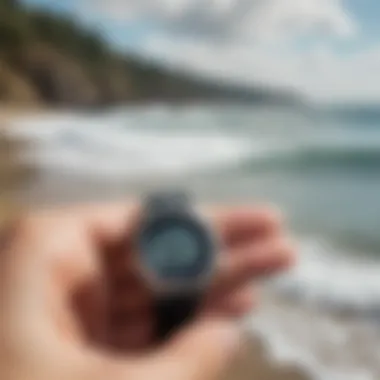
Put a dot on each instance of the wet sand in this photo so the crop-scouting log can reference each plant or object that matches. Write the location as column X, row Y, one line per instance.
column 253, row 364
column 11, row 112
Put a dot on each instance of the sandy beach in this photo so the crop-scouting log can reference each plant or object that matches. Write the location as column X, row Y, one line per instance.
column 303, row 321
column 252, row 363
column 9, row 112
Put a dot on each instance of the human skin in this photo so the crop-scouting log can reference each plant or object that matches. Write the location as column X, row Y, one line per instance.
column 73, row 306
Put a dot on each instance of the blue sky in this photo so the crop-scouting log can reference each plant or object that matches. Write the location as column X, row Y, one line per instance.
column 328, row 48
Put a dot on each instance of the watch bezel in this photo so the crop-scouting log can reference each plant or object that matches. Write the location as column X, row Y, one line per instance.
column 162, row 286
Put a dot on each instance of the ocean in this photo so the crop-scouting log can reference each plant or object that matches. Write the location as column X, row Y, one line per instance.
column 321, row 168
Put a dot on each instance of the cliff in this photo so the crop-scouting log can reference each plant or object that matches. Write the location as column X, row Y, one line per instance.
column 50, row 58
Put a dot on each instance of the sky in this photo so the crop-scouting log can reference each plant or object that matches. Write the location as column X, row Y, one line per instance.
column 327, row 49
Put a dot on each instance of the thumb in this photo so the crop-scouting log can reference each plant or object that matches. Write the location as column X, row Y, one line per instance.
column 201, row 352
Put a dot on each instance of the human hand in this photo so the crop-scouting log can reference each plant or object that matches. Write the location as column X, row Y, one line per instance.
column 74, row 308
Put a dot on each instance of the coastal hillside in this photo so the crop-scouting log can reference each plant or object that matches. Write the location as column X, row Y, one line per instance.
column 51, row 59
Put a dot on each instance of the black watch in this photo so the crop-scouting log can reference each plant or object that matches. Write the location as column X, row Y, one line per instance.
column 177, row 253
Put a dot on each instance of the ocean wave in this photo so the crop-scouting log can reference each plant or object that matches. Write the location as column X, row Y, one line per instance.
column 325, row 278
column 92, row 147
column 127, row 145
column 327, row 318
column 327, row 348
column 308, row 157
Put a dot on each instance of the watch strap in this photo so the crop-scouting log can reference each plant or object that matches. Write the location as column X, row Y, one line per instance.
column 172, row 312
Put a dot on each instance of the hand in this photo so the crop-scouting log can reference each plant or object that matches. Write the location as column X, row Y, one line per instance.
column 74, row 308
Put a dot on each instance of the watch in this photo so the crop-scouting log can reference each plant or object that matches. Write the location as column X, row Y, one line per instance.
column 177, row 252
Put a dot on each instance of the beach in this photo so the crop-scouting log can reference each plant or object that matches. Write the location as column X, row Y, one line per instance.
column 320, row 320
column 253, row 363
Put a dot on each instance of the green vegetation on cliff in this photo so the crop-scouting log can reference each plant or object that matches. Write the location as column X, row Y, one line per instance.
column 51, row 58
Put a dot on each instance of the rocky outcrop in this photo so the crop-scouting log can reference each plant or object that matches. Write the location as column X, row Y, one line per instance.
column 51, row 58
column 56, row 78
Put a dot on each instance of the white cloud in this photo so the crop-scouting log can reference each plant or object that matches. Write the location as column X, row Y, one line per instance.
column 234, row 19
column 253, row 49
column 355, row 77
column 322, row 73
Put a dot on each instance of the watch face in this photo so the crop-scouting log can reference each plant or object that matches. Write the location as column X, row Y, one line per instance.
column 176, row 249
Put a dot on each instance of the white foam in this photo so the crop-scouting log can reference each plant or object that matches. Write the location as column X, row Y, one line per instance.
column 137, row 143
column 326, row 348
column 308, row 331
column 89, row 146
column 326, row 278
